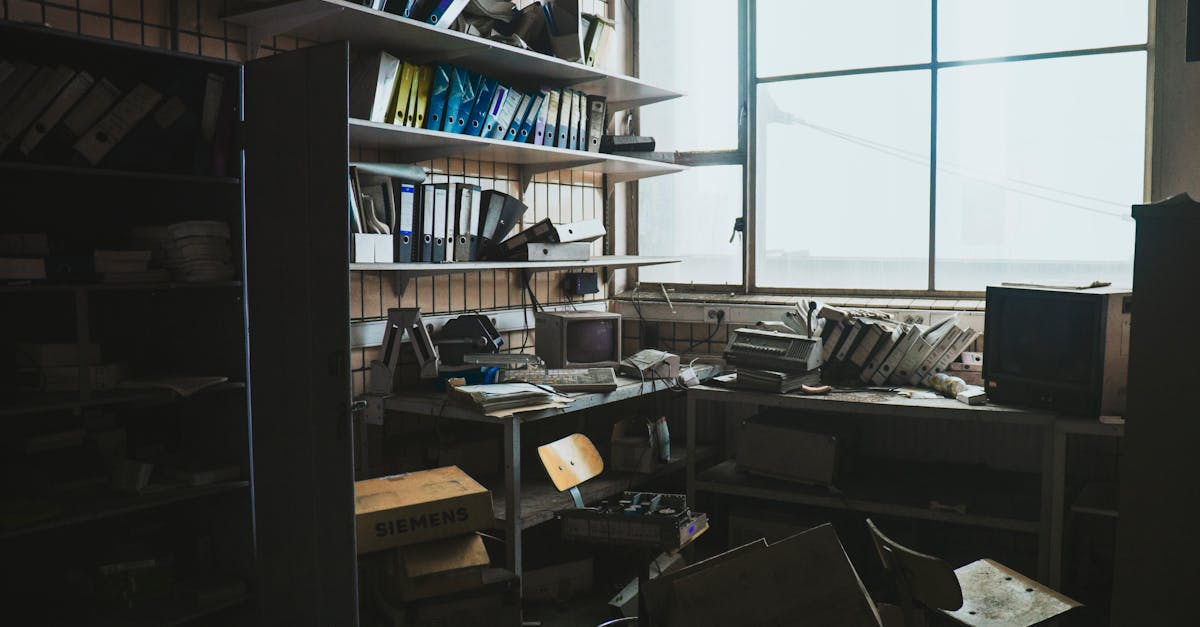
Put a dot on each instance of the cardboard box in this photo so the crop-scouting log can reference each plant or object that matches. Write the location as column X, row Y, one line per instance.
column 787, row 453
column 805, row 579
column 417, row 507
column 420, row 571
column 559, row 582
column 632, row 454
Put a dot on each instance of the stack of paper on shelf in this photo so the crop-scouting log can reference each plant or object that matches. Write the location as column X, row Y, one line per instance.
column 200, row 251
column 506, row 397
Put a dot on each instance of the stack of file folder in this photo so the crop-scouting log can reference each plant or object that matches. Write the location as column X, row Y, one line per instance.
column 451, row 99
column 775, row 381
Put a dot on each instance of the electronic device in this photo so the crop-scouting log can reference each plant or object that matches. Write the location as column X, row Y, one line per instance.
column 581, row 283
column 651, row 364
column 1059, row 349
column 662, row 522
column 504, row 360
column 467, row 334
column 566, row 379
column 578, row 339
column 773, row 350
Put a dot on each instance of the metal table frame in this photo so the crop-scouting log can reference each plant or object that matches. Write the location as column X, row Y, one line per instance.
column 1054, row 431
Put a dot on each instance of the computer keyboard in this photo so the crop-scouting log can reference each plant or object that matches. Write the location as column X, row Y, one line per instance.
column 566, row 379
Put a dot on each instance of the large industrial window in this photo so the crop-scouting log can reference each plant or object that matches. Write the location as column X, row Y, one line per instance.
column 928, row 145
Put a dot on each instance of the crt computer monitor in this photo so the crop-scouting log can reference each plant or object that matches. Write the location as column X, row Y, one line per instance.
column 578, row 339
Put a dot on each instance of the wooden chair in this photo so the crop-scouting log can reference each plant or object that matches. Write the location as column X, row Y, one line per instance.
column 571, row 461
column 982, row 593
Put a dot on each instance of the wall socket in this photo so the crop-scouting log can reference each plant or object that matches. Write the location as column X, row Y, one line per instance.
column 715, row 315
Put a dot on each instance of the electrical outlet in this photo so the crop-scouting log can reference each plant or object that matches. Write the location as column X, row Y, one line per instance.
column 715, row 315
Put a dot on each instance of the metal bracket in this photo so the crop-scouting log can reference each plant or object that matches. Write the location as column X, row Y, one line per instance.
column 256, row 34
column 576, row 496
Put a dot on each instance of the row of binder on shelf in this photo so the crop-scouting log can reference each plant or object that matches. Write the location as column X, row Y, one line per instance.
column 396, row 218
column 64, row 115
column 453, row 100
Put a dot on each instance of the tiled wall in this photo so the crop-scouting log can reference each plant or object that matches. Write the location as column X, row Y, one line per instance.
column 195, row 26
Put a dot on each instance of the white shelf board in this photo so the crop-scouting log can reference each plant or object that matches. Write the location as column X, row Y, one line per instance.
column 433, row 269
column 420, row 144
column 338, row 20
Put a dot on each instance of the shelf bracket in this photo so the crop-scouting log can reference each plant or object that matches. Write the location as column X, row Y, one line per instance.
column 530, row 170
column 286, row 23
column 402, row 280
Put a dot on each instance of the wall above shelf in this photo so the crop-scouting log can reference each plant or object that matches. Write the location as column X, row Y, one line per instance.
column 404, row 272
column 421, row 144
column 337, row 20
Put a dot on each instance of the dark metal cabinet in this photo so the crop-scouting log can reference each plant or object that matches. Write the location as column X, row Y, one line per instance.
column 296, row 155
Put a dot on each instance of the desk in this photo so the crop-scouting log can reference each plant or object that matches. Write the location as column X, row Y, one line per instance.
column 523, row 507
column 1046, row 523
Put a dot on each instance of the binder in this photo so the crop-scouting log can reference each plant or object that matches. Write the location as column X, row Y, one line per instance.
column 109, row 131
column 33, row 99
column 514, row 125
column 400, row 98
column 485, row 93
column 438, row 97
column 474, row 222
column 931, row 360
column 539, row 124
column 498, row 214
column 410, row 111
column 525, row 132
column 597, row 109
column 911, row 335
column 446, row 11
column 582, row 231
column 424, row 86
column 579, row 138
column 441, row 220
column 921, row 349
column 20, row 74
column 427, row 205
column 465, row 196
column 550, row 136
column 597, row 37
column 406, row 204
column 564, row 119
column 505, row 114
column 72, row 93
column 458, row 88
column 372, row 81
column 499, row 97
column 540, row 232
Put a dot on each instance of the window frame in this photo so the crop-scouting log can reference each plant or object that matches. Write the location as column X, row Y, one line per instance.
column 746, row 153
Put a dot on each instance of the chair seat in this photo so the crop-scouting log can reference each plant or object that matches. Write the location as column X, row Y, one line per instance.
column 996, row 596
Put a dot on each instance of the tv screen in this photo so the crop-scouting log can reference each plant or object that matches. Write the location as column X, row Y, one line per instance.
column 1046, row 338
column 591, row 341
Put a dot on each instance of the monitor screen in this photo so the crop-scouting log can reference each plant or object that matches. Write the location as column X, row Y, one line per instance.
column 1053, row 339
column 591, row 341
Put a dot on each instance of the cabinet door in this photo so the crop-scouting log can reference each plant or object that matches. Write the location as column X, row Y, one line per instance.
column 298, row 309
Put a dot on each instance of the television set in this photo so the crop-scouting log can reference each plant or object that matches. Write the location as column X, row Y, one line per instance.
column 1065, row 350
column 578, row 339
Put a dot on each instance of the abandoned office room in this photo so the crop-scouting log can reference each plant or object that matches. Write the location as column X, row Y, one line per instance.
column 570, row 313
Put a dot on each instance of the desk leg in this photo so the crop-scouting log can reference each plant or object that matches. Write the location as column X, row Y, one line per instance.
column 1058, row 502
column 1046, row 535
column 691, row 451
column 512, row 491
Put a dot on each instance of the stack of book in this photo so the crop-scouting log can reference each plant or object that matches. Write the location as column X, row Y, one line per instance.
column 775, row 381
column 877, row 350
column 199, row 251
column 127, row 266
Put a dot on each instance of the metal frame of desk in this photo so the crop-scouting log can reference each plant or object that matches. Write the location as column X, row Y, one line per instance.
column 430, row 404
column 1054, row 430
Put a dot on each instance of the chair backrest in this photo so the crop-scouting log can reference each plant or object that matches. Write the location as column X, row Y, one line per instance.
column 928, row 579
column 571, row 461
